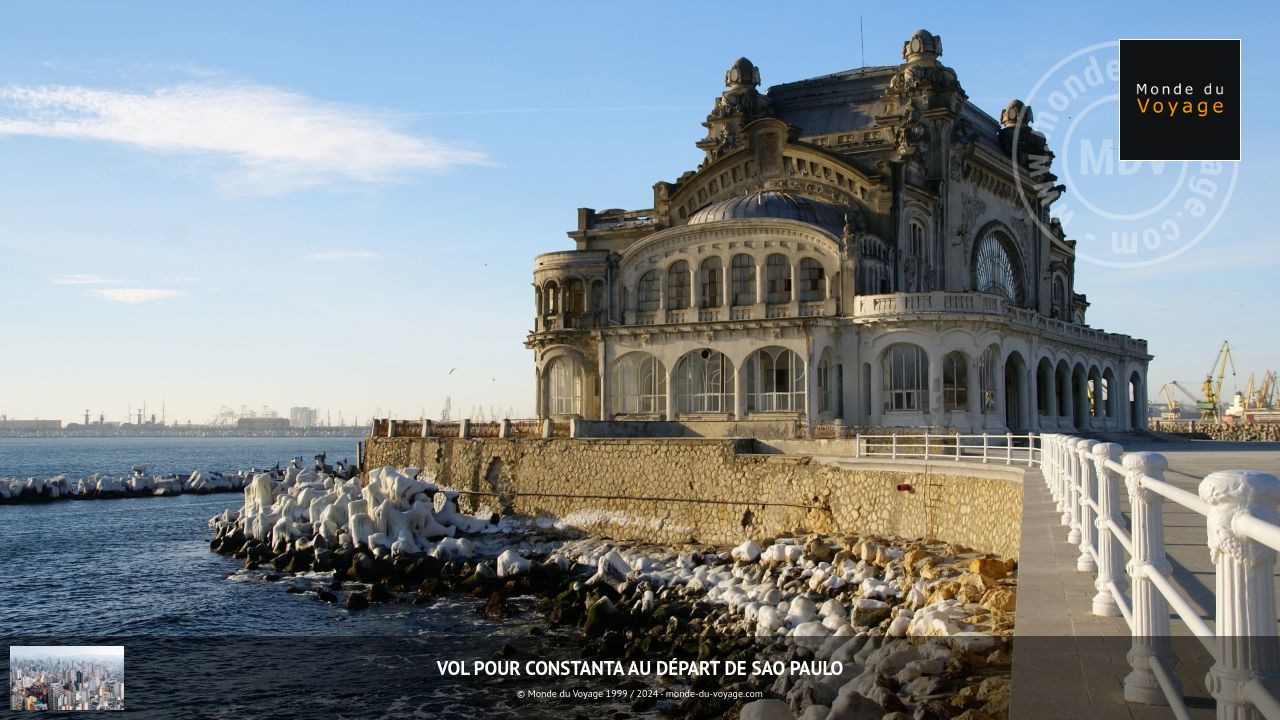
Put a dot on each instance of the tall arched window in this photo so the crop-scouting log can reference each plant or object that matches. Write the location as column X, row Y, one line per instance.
column 639, row 385
column 987, row 365
column 1058, row 306
column 906, row 378
column 710, row 283
column 649, row 293
column 955, row 381
column 575, row 297
column 995, row 270
column 565, row 386
column 777, row 276
column 813, row 281
column 678, row 285
column 743, row 288
column 704, row 383
column 551, row 296
column 913, row 265
column 775, row 381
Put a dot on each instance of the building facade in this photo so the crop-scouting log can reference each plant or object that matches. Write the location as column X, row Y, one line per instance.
column 866, row 247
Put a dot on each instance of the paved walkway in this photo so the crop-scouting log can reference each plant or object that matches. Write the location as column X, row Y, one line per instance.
column 1070, row 663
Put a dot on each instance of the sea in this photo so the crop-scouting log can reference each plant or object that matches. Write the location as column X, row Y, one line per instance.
column 205, row 638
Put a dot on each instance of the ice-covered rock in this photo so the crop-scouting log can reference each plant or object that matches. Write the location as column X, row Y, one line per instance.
column 511, row 564
column 748, row 551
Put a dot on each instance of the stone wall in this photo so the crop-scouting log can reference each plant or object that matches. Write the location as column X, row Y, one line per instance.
column 716, row 491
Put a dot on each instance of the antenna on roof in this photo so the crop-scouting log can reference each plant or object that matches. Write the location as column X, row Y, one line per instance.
column 862, row 38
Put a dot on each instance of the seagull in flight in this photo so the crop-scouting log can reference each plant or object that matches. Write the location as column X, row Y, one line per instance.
column 451, row 371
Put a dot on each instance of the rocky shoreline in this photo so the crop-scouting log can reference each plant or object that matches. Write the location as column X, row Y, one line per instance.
column 900, row 629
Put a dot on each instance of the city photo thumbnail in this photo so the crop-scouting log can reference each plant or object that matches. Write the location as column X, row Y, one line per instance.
column 66, row 677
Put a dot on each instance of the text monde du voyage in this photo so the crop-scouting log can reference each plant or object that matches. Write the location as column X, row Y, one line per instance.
column 1179, row 99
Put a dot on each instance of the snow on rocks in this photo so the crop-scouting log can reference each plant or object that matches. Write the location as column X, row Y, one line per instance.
column 393, row 513
column 99, row 486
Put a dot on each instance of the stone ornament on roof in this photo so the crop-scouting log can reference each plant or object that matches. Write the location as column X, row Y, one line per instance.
column 740, row 104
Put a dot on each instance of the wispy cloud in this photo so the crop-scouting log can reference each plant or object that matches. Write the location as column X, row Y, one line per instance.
column 81, row 279
column 278, row 140
column 342, row 255
column 133, row 296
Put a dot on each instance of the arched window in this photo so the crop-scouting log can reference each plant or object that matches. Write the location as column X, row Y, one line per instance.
column 906, row 378
column 955, row 381
column 639, row 385
column 575, row 297
column 987, row 363
column 710, row 283
column 1058, row 307
column 913, row 264
column 704, row 383
column 649, row 294
column 678, row 285
column 566, row 386
column 552, row 297
column 537, row 300
column 995, row 270
column 777, row 276
column 775, row 381
column 744, row 280
column 813, row 281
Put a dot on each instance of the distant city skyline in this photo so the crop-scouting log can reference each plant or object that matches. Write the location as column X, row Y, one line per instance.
column 200, row 204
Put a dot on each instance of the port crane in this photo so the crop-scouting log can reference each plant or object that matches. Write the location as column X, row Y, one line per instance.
column 1262, row 395
column 1211, row 406
column 1171, row 403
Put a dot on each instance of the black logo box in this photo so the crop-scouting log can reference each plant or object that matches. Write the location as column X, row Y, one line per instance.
column 1160, row 77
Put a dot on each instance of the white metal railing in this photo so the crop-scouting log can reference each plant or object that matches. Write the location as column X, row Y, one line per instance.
column 1242, row 516
column 1008, row 448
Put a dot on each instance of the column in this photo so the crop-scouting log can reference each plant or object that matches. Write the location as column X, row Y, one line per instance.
column 810, row 385
column 935, row 387
column 1068, row 400
column 740, row 391
column 1032, row 422
column 1150, row 608
column 974, row 391
column 1001, row 410
column 602, row 361
column 1246, row 596
column 672, row 411
column 877, row 393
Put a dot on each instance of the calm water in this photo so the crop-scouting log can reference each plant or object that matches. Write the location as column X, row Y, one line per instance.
column 201, row 635
column 37, row 457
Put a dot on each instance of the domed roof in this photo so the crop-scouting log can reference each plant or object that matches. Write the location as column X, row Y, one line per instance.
column 773, row 204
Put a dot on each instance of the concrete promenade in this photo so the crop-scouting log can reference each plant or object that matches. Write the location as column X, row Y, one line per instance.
column 1069, row 663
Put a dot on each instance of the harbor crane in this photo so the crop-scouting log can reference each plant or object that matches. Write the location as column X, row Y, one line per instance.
column 1211, row 406
column 1172, row 404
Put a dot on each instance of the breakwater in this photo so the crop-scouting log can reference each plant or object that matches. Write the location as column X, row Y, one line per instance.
column 680, row 490
column 893, row 625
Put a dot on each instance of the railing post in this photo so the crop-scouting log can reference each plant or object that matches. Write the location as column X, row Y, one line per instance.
column 1071, row 512
column 893, row 446
column 958, row 443
column 1109, row 548
column 985, row 446
column 1088, row 500
column 464, row 427
column 504, row 428
column 1150, row 608
column 548, row 428
column 926, row 444
column 1246, row 595
column 1008, row 448
column 1031, row 450
column 391, row 425
column 857, row 445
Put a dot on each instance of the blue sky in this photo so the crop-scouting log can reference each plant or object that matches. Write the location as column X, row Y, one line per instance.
column 333, row 205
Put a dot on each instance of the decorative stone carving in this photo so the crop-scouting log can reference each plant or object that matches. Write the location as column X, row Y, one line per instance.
column 1233, row 493
column 738, row 105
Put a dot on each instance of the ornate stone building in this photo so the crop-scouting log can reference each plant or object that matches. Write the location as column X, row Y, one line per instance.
column 854, row 246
